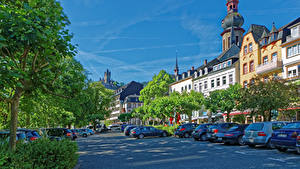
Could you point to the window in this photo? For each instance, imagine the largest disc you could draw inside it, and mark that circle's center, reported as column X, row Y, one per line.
column 274, row 57
column 224, row 64
column 292, row 73
column 230, row 79
column 224, row 80
column 293, row 50
column 185, row 87
column 245, row 70
column 181, row 89
column 245, row 50
column 218, row 81
column 223, row 44
column 190, row 87
column 215, row 68
column 205, row 85
column 228, row 62
column 251, row 66
column 200, row 87
column 265, row 60
column 250, row 47
column 219, row 66
column 266, row 79
column 228, row 43
column 212, row 82
column 245, row 84
column 236, row 40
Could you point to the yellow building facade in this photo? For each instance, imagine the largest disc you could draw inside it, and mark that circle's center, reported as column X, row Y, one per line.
column 271, row 57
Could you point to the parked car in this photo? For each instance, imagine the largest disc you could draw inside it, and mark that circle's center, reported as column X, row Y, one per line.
column 5, row 135
column 83, row 132
column 286, row 137
column 185, row 130
column 200, row 132
column 114, row 127
column 128, row 129
column 298, row 144
column 235, row 135
column 101, row 128
column 90, row 131
column 216, row 132
column 260, row 133
column 75, row 133
column 145, row 131
column 31, row 135
column 59, row 134
column 123, row 126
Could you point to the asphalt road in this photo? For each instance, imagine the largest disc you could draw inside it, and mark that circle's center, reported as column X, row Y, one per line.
column 115, row 151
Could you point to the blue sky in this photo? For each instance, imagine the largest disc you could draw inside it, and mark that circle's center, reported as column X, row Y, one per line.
column 136, row 39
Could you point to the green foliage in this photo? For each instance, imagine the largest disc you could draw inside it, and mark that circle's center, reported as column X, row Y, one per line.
column 125, row 117
column 241, row 118
column 42, row 154
column 169, row 129
column 158, row 87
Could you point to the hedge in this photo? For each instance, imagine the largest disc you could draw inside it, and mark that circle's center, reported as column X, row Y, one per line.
column 40, row 154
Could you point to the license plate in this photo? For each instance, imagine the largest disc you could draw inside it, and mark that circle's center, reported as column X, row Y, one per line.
column 220, row 139
column 281, row 135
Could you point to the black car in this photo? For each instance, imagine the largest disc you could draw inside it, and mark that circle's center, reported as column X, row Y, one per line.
column 216, row 132
column 145, row 131
column 185, row 130
column 200, row 132
column 235, row 134
column 128, row 129
column 59, row 134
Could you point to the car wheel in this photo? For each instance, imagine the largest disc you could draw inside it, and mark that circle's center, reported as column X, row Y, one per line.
column 251, row 145
column 186, row 135
column 298, row 150
column 281, row 149
column 141, row 136
column 84, row 135
column 270, row 145
column 240, row 141
column 164, row 134
column 203, row 137
column 226, row 143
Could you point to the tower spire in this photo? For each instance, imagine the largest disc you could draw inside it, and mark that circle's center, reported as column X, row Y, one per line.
column 176, row 70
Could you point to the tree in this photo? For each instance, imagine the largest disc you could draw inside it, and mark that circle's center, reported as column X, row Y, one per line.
column 211, row 103
column 33, row 43
column 125, row 117
column 228, row 99
column 266, row 97
column 158, row 87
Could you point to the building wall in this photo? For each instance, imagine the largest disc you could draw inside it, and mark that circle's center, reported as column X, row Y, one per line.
column 227, row 35
column 291, row 63
column 214, row 76
column 268, row 51
column 246, row 58
column 185, row 84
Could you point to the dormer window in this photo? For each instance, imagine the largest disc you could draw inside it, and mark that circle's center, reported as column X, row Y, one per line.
column 205, row 71
column 189, row 74
column 215, row 68
column 224, row 64
column 201, row 73
column 228, row 62
column 196, row 74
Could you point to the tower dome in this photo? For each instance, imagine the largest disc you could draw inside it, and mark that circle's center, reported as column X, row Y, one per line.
column 233, row 20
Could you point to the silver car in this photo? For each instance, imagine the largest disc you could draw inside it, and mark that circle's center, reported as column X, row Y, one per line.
column 260, row 133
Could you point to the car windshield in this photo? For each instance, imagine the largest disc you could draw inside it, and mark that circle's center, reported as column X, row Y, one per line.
column 36, row 134
column 201, row 127
column 292, row 126
column 255, row 127
column 29, row 134
column 234, row 128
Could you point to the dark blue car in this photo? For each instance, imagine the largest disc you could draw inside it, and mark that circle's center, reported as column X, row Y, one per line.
column 235, row 135
column 298, row 144
column 286, row 137
column 123, row 126
column 200, row 132
column 128, row 129
column 145, row 131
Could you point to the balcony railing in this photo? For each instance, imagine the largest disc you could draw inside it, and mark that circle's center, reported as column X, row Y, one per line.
column 268, row 67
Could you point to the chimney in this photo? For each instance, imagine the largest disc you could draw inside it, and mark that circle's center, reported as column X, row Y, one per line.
column 205, row 62
column 193, row 68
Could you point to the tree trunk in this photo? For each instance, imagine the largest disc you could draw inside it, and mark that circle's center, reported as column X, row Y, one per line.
column 298, row 115
column 14, row 118
column 270, row 115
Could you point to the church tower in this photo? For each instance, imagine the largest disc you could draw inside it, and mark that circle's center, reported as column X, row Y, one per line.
column 232, row 25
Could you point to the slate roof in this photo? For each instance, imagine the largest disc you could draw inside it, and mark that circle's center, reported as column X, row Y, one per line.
column 257, row 31
column 132, row 88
